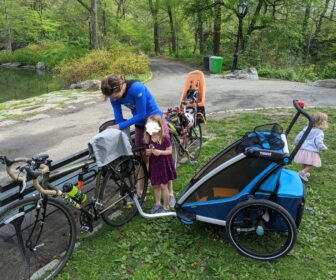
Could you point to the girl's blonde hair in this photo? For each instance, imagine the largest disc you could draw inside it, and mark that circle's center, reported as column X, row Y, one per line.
column 320, row 120
column 158, row 119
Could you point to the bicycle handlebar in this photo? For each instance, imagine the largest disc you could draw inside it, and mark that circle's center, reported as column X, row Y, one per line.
column 15, row 175
column 33, row 174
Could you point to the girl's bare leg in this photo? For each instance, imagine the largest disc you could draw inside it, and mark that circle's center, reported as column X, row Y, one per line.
column 307, row 168
column 165, row 191
column 157, row 194
column 172, row 200
column 170, row 187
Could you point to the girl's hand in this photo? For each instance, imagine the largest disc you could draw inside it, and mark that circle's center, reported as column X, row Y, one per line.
column 148, row 152
column 156, row 152
column 116, row 126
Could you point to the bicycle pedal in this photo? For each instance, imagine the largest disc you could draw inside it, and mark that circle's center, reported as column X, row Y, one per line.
column 99, row 205
column 86, row 229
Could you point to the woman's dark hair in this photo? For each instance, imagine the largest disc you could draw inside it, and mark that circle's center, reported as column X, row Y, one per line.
column 111, row 84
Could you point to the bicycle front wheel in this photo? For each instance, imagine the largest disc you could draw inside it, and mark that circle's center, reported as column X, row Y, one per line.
column 194, row 141
column 118, row 207
column 36, row 239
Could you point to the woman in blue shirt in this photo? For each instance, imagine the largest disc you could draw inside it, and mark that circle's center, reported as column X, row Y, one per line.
column 135, row 96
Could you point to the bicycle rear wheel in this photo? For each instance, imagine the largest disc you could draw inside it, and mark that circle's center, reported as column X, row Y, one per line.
column 194, row 141
column 175, row 148
column 118, row 207
column 36, row 240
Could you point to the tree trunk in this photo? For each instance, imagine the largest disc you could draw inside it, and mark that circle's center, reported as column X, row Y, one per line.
column 154, row 10
column 40, row 12
column 195, row 34
column 332, row 11
column 94, row 17
column 8, row 29
column 172, row 28
column 316, row 37
column 121, row 9
column 306, row 38
column 93, row 23
column 255, row 17
column 104, row 31
column 217, row 29
column 200, row 32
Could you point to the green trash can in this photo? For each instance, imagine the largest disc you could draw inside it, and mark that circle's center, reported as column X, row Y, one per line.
column 210, row 62
column 216, row 63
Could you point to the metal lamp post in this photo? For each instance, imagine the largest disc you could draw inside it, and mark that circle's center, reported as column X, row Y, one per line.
column 241, row 13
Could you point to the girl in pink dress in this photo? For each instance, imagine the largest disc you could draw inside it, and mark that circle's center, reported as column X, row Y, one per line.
column 161, row 165
column 308, row 155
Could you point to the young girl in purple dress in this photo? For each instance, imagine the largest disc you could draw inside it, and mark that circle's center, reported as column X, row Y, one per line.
column 161, row 166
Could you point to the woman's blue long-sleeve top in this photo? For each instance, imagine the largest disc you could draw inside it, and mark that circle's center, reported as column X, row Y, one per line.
column 141, row 103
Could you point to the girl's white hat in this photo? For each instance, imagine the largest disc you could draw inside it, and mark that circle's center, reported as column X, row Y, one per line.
column 152, row 127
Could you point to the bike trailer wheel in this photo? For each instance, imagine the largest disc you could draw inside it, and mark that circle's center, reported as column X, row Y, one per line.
column 261, row 229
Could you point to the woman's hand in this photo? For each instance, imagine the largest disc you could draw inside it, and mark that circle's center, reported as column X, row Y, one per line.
column 116, row 126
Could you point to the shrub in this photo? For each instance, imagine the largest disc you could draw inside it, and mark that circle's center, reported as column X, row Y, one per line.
column 51, row 53
column 131, row 64
column 329, row 71
column 100, row 63
column 284, row 74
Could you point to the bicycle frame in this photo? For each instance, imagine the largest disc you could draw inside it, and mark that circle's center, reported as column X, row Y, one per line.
column 180, row 132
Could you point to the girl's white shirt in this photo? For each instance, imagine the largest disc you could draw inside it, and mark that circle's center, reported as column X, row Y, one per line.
column 314, row 141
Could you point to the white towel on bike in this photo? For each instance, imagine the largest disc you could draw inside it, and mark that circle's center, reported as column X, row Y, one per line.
column 109, row 145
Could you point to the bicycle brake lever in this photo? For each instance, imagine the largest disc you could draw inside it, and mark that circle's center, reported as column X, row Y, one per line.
column 24, row 181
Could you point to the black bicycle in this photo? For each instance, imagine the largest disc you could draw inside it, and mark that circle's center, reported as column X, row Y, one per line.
column 38, row 233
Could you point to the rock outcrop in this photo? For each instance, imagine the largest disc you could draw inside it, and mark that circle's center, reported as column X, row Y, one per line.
column 247, row 74
column 87, row 85
column 329, row 83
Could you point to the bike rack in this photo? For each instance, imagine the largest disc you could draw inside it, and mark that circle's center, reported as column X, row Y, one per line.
column 9, row 191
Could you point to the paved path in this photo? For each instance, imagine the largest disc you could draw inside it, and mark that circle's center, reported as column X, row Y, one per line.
column 67, row 132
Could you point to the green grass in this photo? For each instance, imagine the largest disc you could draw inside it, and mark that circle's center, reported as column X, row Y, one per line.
column 165, row 249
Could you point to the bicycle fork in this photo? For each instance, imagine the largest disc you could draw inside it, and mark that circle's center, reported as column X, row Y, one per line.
column 17, row 222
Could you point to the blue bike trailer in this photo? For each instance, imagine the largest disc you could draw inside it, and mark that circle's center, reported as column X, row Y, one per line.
column 216, row 190
column 236, row 175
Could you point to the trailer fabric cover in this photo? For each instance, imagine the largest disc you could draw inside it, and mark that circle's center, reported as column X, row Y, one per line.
column 109, row 145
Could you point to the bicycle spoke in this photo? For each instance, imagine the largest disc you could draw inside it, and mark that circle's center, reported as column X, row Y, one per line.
column 114, row 194
column 194, row 142
column 35, row 242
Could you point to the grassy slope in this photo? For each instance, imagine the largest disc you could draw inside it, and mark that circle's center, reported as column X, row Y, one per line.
column 165, row 249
